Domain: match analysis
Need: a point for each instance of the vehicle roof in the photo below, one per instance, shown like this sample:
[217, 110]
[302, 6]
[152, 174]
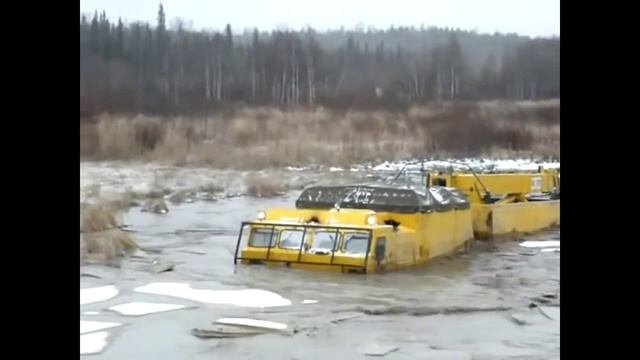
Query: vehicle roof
[382, 197]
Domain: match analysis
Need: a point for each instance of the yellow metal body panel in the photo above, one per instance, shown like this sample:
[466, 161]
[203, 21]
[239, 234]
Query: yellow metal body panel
[513, 213]
[491, 220]
[503, 184]
[417, 238]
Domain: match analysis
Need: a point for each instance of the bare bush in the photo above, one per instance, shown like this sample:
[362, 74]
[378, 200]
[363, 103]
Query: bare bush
[263, 186]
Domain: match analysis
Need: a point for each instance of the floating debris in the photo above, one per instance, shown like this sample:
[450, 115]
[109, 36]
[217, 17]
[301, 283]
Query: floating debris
[543, 313]
[90, 275]
[427, 311]
[162, 264]
[237, 327]
[193, 251]
[346, 317]
[519, 319]
[528, 253]
[379, 350]
[224, 331]
[144, 308]
[270, 325]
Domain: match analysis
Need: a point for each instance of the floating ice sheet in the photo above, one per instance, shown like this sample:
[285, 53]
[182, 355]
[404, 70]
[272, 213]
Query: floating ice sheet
[541, 244]
[97, 294]
[87, 326]
[378, 350]
[144, 308]
[309, 301]
[253, 323]
[93, 343]
[244, 297]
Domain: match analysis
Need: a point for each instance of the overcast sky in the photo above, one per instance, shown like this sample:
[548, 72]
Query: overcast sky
[525, 17]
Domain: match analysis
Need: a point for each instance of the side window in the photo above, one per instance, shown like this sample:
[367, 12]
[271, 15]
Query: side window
[291, 239]
[261, 237]
[381, 246]
[324, 240]
[355, 243]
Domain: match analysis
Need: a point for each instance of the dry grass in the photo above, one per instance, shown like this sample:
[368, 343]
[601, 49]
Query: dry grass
[263, 186]
[101, 237]
[99, 217]
[109, 244]
[258, 138]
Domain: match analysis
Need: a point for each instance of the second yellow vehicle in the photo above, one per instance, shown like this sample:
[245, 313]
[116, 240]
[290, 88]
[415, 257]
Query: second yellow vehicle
[508, 203]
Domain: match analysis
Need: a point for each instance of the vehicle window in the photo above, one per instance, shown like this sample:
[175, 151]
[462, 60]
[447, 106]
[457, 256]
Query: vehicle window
[356, 243]
[324, 240]
[291, 239]
[260, 238]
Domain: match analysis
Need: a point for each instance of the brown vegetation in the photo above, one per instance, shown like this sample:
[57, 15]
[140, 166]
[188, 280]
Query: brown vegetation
[263, 186]
[101, 238]
[266, 137]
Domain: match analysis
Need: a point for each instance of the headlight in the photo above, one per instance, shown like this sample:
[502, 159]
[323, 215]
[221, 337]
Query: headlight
[262, 215]
[371, 220]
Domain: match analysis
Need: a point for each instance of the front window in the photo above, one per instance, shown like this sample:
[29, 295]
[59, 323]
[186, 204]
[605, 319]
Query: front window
[291, 239]
[262, 237]
[356, 243]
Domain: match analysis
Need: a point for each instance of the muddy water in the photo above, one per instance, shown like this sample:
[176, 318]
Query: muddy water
[200, 238]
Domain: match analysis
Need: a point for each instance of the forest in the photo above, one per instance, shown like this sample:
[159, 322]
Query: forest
[170, 69]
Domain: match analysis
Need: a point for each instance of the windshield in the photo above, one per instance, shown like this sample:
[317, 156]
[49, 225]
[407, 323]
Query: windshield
[260, 238]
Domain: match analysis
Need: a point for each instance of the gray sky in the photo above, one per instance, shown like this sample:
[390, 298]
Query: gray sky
[525, 17]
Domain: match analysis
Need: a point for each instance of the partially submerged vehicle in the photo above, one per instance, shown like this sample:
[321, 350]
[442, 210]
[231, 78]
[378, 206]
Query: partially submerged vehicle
[362, 228]
[365, 228]
[507, 203]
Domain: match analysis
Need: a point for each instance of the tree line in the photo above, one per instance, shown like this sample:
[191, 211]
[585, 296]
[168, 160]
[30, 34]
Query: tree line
[155, 69]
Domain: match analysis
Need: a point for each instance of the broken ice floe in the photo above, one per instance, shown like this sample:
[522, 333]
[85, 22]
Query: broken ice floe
[93, 343]
[97, 294]
[551, 250]
[87, 326]
[244, 297]
[144, 308]
[541, 244]
[309, 301]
